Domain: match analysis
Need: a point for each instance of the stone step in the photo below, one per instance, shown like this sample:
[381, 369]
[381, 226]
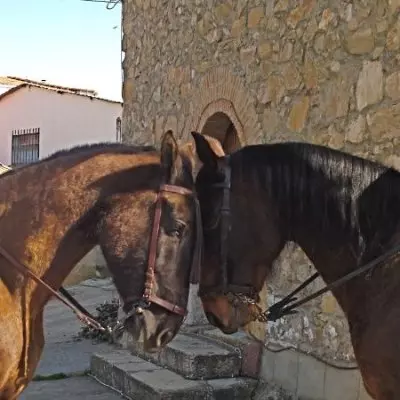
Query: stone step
[250, 349]
[195, 357]
[139, 379]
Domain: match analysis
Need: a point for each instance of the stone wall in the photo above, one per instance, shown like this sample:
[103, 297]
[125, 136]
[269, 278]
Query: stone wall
[325, 72]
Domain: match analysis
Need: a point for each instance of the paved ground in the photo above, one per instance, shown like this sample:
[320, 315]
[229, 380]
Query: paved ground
[63, 354]
[83, 388]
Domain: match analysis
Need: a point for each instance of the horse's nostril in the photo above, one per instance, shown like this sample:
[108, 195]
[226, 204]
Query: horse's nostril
[163, 338]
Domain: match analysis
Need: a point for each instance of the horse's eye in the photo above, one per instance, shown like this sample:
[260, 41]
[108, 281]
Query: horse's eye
[178, 229]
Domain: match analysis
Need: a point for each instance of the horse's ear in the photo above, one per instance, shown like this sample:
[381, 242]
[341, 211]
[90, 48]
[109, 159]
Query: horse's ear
[169, 154]
[188, 150]
[204, 150]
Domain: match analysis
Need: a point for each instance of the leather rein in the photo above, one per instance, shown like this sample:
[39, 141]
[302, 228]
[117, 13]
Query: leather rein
[148, 297]
[238, 294]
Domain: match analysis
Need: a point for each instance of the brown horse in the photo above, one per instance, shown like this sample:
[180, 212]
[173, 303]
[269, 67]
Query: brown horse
[342, 210]
[137, 204]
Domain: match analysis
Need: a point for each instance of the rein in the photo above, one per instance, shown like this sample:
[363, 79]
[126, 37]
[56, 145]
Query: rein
[83, 315]
[147, 297]
[246, 294]
[281, 308]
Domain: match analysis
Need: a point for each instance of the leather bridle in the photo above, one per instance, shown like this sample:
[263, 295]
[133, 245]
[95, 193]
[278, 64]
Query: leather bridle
[148, 296]
[235, 293]
[243, 295]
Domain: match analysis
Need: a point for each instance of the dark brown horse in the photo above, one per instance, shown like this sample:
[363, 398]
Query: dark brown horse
[343, 211]
[137, 204]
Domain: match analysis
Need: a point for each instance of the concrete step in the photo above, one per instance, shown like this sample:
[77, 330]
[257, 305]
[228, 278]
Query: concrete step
[195, 357]
[139, 379]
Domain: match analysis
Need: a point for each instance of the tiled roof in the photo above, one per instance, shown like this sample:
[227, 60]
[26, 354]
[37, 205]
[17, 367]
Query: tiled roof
[6, 80]
[15, 81]
[12, 84]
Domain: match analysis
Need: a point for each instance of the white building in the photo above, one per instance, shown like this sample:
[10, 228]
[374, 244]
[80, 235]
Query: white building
[37, 119]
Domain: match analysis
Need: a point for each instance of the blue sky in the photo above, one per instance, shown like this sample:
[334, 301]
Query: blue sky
[66, 42]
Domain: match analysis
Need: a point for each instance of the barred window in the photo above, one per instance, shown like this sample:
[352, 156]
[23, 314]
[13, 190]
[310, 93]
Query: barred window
[118, 130]
[25, 146]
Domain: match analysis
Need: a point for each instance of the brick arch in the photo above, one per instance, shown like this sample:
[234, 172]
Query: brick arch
[219, 91]
[220, 120]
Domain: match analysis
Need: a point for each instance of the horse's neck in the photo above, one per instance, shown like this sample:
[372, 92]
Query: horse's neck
[41, 232]
[72, 247]
[337, 240]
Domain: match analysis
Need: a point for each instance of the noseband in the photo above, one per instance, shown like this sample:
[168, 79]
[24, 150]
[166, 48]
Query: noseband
[236, 294]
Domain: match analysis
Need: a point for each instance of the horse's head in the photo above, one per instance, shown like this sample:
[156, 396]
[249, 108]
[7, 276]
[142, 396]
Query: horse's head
[240, 238]
[148, 238]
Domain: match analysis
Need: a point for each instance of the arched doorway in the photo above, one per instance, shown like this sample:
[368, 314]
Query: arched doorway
[220, 126]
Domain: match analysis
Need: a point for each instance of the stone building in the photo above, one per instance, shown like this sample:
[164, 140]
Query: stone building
[262, 71]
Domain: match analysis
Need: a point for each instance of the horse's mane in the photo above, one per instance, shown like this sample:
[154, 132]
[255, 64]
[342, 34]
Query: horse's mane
[106, 147]
[328, 187]
[86, 150]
